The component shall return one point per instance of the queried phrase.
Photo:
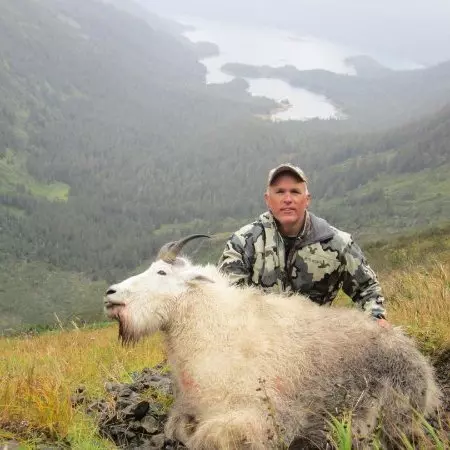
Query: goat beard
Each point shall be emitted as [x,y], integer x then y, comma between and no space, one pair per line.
[131,331]
[126,334]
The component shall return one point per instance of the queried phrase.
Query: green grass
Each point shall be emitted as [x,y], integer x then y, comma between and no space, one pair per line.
[409,249]
[341,432]
[413,189]
[342,437]
[409,201]
[14,179]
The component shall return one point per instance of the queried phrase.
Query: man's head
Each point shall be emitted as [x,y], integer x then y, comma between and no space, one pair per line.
[287,197]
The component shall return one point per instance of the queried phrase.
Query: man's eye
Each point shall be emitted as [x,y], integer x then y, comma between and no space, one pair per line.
[161,272]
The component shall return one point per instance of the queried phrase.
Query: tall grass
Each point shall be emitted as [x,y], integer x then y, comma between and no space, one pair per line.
[39,374]
[419,300]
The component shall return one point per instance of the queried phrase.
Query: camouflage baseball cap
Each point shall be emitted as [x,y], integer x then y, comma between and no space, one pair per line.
[286,167]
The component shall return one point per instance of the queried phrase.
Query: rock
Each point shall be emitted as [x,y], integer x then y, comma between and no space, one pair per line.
[136,411]
[149,378]
[133,422]
[149,425]
[112,387]
[98,406]
[125,398]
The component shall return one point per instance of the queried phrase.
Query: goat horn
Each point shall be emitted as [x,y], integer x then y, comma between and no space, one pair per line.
[170,251]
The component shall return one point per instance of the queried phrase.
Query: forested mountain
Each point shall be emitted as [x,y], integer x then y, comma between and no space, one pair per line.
[97,100]
[111,144]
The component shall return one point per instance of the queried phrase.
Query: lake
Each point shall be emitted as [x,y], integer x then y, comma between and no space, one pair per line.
[273,47]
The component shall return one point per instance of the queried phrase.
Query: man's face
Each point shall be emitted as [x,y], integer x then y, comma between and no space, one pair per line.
[288,198]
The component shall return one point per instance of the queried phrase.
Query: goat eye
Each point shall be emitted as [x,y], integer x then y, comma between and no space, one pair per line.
[161,272]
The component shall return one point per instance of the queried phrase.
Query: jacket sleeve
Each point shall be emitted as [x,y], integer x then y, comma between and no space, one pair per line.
[360,282]
[235,260]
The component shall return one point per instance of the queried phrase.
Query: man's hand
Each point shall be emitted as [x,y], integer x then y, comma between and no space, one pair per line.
[384,323]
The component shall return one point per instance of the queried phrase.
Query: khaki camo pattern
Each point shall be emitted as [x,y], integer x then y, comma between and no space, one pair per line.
[322,261]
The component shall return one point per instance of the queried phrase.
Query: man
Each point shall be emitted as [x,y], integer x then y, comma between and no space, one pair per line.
[289,249]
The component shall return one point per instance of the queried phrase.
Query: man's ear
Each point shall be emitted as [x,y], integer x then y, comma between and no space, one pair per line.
[266,199]
[198,279]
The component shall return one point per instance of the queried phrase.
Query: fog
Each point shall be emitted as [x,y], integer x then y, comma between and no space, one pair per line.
[417,30]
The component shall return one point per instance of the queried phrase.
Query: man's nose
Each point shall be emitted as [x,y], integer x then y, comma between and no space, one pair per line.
[287,198]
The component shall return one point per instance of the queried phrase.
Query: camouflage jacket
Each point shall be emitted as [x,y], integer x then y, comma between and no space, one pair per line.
[322,260]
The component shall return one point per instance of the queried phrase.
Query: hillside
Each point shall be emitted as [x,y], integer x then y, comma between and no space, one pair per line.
[111,144]
[110,116]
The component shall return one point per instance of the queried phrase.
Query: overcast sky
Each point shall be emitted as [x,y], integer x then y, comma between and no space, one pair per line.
[414,29]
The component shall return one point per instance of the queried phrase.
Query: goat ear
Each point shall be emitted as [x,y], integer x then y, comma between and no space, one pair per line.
[198,279]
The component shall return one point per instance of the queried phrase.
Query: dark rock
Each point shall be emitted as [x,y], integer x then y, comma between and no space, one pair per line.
[136,411]
[131,421]
[149,425]
[125,391]
[148,378]
[127,399]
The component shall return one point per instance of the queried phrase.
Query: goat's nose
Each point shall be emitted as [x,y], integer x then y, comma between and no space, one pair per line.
[110,291]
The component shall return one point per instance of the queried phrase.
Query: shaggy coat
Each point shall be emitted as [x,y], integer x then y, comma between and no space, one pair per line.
[256,371]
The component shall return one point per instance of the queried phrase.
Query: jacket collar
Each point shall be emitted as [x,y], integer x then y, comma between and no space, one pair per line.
[318,231]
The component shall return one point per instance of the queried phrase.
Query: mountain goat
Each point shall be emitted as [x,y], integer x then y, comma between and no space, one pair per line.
[255,370]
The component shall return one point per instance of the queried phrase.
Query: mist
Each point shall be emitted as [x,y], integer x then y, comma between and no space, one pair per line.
[418,31]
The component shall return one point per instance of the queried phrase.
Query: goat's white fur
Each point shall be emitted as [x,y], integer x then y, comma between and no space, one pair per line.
[251,368]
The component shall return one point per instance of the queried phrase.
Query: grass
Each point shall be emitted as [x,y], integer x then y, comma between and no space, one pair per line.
[414,272]
[409,200]
[341,432]
[14,178]
[342,437]
[40,373]
[419,300]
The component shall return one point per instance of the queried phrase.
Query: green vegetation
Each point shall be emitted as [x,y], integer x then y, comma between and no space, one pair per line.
[14,179]
[35,293]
